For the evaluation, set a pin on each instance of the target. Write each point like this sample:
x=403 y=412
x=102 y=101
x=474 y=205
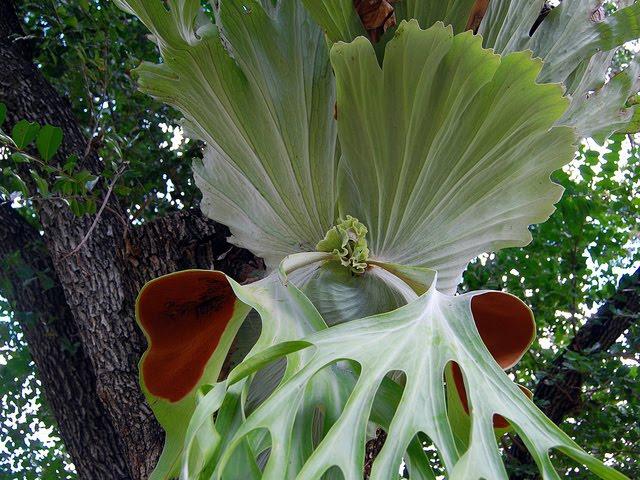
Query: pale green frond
x=507 y=23
x=601 y=111
x=427 y=12
x=257 y=88
x=419 y=339
x=447 y=149
x=337 y=18
x=570 y=33
x=576 y=41
x=341 y=296
x=590 y=75
x=574 y=31
x=287 y=316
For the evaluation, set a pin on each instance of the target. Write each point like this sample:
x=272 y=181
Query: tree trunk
x=93 y=280
x=67 y=377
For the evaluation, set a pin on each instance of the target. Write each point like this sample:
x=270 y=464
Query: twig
x=98 y=215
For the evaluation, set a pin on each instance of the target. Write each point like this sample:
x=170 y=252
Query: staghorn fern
x=367 y=175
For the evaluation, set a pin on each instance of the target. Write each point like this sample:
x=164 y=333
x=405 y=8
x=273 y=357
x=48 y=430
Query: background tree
x=69 y=331
x=87 y=62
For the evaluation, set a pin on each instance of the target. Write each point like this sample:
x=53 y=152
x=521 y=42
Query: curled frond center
x=347 y=240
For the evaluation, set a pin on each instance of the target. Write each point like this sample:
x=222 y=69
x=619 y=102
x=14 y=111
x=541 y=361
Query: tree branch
x=559 y=391
x=188 y=239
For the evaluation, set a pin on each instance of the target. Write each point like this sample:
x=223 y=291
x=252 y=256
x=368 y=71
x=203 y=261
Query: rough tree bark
x=101 y=281
x=559 y=392
x=67 y=377
x=93 y=279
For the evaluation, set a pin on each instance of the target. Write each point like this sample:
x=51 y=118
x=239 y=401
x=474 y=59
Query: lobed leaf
x=189 y=319
x=576 y=41
x=256 y=86
x=575 y=31
x=447 y=148
x=287 y=315
x=457 y=13
x=599 y=111
x=338 y=18
x=420 y=340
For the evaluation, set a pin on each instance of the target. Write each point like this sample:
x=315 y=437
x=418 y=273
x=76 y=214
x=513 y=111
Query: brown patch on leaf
x=507 y=328
x=499 y=421
x=477 y=14
x=184 y=315
x=505 y=324
x=377 y=16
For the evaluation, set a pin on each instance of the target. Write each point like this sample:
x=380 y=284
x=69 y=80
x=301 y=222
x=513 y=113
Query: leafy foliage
x=581 y=250
x=87 y=50
x=29 y=443
x=69 y=183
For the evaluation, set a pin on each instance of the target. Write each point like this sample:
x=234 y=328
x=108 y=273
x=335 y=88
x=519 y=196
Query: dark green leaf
x=76 y=207
x=90 y=206
x=48 y=142
x=70 y=163
x=122 y=190
x=41 y=183
x=19 y=157
x=18 y=185
x=24 y=132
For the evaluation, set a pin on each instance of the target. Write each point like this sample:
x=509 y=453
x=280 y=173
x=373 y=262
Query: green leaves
x=576 y=30
x=24 y=132
x=447 y=149
x=48 y=138
x=427 y=12
x=73 y=185
x=337 y=18
x=48 y=142
x=41 y=183
x=3 y=113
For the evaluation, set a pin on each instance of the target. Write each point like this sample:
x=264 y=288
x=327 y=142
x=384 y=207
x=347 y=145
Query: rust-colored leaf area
x=507 y=327
x=477 y=14
x=505 y=324
x=184 y=315
x=498 y=420
x=377 y=16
